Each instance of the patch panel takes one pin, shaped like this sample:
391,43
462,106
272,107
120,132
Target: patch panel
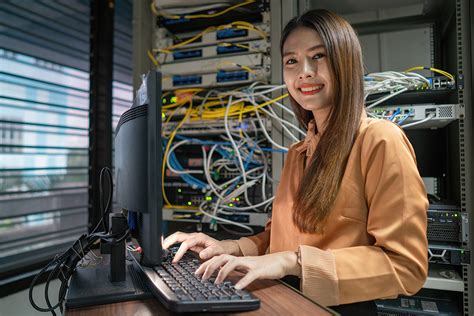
441,114
225,48
231,49
216,127
180,81
164,39
213,65
214,80
187,54
226,34
226,76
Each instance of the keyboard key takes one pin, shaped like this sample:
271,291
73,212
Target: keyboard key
184,297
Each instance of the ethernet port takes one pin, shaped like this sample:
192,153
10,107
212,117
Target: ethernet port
430,112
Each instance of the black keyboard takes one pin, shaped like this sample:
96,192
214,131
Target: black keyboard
176,286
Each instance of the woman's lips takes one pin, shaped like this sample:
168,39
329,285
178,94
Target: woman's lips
310,89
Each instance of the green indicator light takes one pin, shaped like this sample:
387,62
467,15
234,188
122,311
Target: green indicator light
455,215
173,99
163,115
179,190
237,199
164,100
231,204
447,214
189,203
208,198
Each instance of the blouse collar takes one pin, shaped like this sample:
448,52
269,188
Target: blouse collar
311,141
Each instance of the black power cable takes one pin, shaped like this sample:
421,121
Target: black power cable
65,263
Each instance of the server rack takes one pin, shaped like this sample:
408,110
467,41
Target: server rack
452,41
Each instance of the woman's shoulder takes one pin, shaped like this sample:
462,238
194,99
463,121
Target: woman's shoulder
379,130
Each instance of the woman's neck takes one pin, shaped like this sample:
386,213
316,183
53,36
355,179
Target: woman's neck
321,117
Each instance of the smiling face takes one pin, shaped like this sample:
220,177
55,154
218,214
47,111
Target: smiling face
306,70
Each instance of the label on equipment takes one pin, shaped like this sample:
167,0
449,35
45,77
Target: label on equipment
429,306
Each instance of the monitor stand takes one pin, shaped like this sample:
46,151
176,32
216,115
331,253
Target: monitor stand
112,279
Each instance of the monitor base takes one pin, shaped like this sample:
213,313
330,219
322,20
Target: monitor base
91,286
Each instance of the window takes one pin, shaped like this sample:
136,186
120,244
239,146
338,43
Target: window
44,121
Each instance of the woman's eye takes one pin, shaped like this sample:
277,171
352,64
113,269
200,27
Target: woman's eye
291,61
318,56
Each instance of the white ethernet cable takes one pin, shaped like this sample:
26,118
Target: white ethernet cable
264,129
237,153
391,95
220,219
179,171
419,122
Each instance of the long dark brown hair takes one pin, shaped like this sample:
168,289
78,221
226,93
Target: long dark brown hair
320,184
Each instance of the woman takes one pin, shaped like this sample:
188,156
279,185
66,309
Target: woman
349,215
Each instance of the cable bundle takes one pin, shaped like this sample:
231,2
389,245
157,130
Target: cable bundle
79,253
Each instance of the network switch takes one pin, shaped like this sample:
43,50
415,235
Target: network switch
432,115
249,218
441,83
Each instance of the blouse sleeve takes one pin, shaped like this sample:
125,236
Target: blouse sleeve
258,244
397,262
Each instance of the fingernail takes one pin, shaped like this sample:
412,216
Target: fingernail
238,287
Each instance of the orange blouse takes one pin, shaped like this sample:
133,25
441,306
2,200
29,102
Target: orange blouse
374,244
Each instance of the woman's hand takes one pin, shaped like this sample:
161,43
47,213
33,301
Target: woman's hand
207,247
272,266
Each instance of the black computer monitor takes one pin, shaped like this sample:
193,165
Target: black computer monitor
138,163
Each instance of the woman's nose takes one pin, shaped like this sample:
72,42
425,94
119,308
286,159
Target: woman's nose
307,70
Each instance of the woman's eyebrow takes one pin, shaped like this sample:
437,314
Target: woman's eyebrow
309,49
315,47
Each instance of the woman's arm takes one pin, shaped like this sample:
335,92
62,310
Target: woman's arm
255,245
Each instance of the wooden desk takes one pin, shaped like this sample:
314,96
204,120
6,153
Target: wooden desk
276,299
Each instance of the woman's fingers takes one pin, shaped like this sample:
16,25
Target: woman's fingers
185,245
247,279
210,252
214,264
231,265
207,268
173,239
